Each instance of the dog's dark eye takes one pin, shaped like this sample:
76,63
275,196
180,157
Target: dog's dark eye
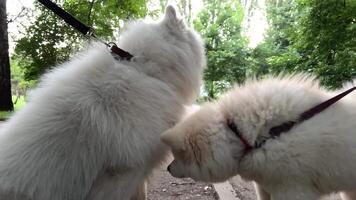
232,126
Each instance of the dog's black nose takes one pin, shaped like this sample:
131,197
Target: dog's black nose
169,168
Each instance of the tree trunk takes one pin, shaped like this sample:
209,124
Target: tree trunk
190,13
5,80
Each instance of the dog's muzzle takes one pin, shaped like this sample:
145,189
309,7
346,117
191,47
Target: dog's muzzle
174,172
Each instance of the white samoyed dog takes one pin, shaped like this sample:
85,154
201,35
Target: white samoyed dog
91,130
232,136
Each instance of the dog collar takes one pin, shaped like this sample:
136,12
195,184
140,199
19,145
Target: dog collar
233,128
276,131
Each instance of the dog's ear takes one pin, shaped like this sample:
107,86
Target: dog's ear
171,19
170,14
172,139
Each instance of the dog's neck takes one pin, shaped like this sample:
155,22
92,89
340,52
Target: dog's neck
181,77
254,165
255,110
276,131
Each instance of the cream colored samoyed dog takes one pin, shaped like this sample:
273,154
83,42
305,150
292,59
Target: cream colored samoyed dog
91,130
256,131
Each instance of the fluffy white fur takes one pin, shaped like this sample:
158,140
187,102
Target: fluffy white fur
314,158
91,129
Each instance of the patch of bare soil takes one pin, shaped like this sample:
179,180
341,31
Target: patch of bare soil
245,190
163,186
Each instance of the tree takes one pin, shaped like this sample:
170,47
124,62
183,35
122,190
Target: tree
5,82
220,25
326,40
313,36
185,7
282,17
48,40
19,84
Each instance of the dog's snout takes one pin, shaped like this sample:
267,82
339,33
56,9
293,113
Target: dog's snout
169,168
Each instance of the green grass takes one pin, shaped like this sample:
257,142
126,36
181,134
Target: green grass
4,115
19,104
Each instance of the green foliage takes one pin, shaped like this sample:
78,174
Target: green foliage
220,25
314,36
4,115
275,54
327,39
49,41
19,102
18,82
105,15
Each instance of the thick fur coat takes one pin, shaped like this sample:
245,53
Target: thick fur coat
314,158
91,129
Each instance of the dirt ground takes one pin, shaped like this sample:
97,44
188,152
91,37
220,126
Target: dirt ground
245,191
163,186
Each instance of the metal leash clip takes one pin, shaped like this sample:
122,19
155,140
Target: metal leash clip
85,30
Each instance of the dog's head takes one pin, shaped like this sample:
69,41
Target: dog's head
204,147
170,51
220,140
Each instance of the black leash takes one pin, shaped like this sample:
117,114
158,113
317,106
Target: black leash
84,29
277,130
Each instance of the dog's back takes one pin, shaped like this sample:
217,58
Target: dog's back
91,129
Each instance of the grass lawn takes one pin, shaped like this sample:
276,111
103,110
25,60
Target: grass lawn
19,104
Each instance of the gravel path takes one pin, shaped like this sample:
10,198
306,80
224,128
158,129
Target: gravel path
245,190
163,186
